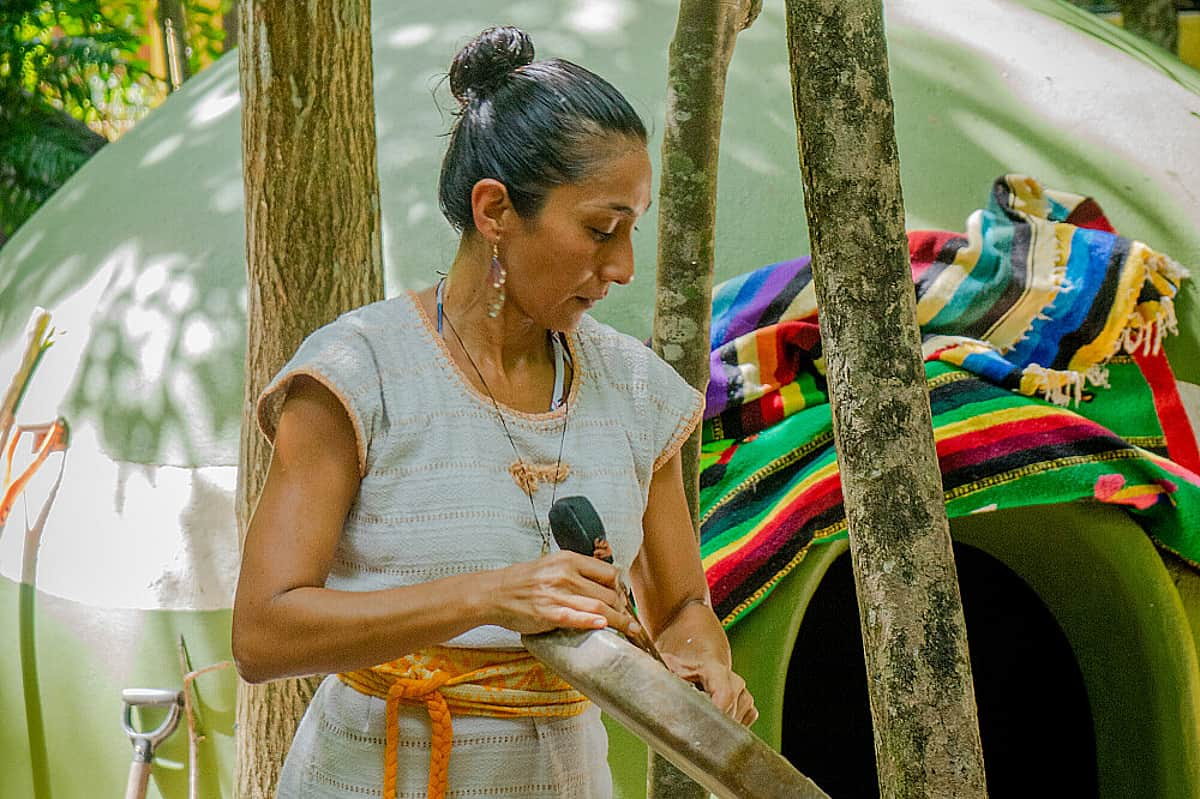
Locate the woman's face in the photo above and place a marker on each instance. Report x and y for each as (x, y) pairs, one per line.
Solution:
(563, 261)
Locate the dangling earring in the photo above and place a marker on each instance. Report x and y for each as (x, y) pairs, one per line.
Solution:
(498, 275)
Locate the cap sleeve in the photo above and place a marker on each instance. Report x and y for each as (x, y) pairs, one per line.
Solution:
(675, 408)
(339, 357)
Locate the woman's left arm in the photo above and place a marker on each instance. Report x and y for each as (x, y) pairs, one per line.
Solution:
(672, 597)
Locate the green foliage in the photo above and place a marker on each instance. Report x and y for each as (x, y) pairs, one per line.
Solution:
(205, 35)
(69, 78)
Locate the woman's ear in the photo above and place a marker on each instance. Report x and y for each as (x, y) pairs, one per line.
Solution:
(490, 205)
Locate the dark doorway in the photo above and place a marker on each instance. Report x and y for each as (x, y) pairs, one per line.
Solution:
(1034, 717)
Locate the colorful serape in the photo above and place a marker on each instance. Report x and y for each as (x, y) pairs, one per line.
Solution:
(1047, 382)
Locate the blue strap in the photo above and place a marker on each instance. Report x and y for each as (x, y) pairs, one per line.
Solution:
(560, 372)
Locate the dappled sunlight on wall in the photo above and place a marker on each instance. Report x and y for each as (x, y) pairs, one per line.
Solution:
(153, 344)
(157, 373)
(147, 537)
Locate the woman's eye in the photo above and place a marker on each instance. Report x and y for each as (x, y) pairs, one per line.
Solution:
(601, 235)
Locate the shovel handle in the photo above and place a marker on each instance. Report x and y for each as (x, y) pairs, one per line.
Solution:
(139, 779)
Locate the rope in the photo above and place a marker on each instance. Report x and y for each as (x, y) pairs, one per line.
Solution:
(476, 682)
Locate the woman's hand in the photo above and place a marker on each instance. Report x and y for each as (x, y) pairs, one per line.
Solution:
(565, 589)
(672, 597)
(726, 689)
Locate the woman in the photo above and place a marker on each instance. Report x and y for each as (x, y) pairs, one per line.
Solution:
(420, 442)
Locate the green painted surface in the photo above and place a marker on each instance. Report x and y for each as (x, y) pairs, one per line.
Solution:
(85, 656)
(1107, 587)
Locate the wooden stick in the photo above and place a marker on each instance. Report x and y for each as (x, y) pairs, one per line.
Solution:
(670, 715)
(189, 677)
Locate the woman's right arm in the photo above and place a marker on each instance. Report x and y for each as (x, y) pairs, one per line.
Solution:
(286, 623)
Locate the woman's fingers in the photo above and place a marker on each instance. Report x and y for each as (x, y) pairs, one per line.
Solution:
(746, 712)
(726, 689)
(600, 581)
(596, 613)
(564, 590)
(723, 692)
(593, 569)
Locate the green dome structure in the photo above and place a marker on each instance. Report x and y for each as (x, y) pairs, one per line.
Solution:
(140, 259)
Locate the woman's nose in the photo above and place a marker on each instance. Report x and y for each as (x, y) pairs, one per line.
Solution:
(619, 266)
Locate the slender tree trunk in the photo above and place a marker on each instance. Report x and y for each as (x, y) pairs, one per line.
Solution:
(313, 251)
(698, 61)
(231, 26)
(173, 24)
(705, 34)
(1154, 20)
(922, 699)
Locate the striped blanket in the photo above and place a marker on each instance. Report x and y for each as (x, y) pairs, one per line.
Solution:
(1042, 337)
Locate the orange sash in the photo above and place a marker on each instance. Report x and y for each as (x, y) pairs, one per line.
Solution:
(473, 682)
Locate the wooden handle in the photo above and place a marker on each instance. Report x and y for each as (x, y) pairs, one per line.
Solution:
(670, 715)
(139, 779)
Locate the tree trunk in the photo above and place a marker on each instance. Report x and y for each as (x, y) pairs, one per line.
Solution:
(173, 24)
(705, 34)
(231, 26)
(1154, 20)
(312, 247)
(698, 61)
(922, 699)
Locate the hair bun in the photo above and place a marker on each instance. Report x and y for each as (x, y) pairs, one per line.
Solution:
(483, 63)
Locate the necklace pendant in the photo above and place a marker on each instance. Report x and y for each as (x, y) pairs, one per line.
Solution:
(545, 547)
(527, 476)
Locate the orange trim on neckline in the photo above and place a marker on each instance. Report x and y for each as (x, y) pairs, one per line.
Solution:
(449, 364)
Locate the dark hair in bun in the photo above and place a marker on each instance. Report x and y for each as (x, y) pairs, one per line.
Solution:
(531, 125)
(479, 67)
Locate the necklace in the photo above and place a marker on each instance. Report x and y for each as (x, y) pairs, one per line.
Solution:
(528, 487)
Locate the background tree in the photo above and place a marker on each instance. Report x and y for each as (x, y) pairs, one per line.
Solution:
(230, 24)
(1154, 20)
(173, 22)
(313, 251)
(919, 675)
(698, 61)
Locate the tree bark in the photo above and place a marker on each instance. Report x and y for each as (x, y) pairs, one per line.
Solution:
(1154, 20)
(922, 699)
(313, 251)
(705, 34)
(173, 24)
(698, 60)
(231, 26)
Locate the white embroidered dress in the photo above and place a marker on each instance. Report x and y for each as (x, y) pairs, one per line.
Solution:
(437, 498)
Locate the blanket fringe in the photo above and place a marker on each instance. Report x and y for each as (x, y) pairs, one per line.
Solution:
(1150, 322)
(1057, 386)
(1145, 328)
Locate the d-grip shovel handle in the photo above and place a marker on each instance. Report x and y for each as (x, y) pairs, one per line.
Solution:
(139, 780)
(144, 743)
(576, 526)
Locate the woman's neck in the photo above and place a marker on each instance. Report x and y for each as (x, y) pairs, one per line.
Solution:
(510, 340)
